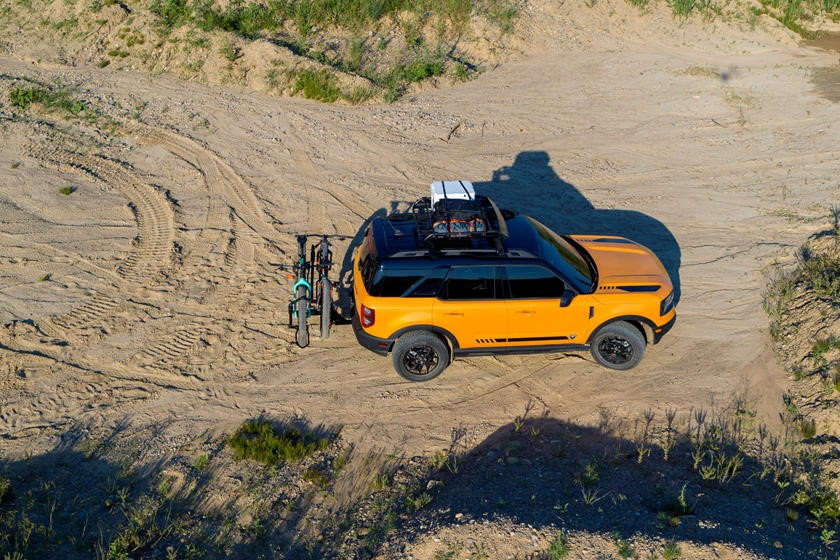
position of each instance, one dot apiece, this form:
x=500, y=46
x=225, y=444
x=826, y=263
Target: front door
x=535, y=316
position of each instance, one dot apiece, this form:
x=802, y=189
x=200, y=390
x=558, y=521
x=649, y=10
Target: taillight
x=368, y=316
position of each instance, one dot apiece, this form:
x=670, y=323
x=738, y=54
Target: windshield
x=571, y=260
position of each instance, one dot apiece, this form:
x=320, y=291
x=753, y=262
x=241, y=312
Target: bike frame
x=303, y=271
x=321, y=257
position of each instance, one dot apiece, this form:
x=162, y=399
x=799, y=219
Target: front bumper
x=659, y=332
x=375, y=344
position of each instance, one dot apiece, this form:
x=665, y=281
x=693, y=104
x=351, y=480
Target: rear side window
x=533, y=282
x=368, y=261
x=393, y=283
x=473, y=282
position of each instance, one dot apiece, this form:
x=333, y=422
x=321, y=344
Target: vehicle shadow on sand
x=531, y=186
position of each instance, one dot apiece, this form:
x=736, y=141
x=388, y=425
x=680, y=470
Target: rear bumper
x=375, y=344
x=659, y=332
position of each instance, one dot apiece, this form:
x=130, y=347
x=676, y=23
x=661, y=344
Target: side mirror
x=566, y=298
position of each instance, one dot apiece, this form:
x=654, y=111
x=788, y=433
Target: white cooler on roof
x=462, y=190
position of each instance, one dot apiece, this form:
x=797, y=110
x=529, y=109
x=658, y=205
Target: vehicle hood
x=624, y=265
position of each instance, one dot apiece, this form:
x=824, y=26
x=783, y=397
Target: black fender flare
x=645, y=326
x=443, y=333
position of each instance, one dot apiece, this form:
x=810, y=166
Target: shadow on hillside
x=93, y=497
x=96, y=498
x=545, y=472
x=531, y=186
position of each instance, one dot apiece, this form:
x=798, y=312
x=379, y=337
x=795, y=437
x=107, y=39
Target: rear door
x=535, y=317
x=470, y=306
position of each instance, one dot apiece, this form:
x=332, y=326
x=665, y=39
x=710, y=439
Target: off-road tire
x=302, y=309
x=618, y=345
x=420, y=356
x=326, y=307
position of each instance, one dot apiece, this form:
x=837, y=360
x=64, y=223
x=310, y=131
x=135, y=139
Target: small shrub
x=22, y=98
x=423, y=68
x=230, y=52
x=835, y=210
x=461, y=72
x=671, y=551
x=260, y=441
x=316, y=477
x=360, y=95
x=824, y=506
x=822, y=347
x=52, y=99
x=682, y=8
x=559, y=547
x=625, y=550
x=45, y=277
x=419, y=502
x=503, y=13
x=172, y=13
x=67, y=191
x=103, y=63
x=5, y=488
x=318, y=84
x=381, y=482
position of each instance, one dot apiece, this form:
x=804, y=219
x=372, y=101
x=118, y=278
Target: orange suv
x=456, y=276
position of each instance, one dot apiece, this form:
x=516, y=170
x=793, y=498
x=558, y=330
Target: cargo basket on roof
x=455, y=215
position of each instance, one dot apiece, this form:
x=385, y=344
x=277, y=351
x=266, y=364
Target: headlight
x=667, y=304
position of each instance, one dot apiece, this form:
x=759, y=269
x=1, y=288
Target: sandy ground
x=149, y=300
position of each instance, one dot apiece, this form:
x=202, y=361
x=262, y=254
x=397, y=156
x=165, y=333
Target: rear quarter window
x=393, y=283
x=367, y=260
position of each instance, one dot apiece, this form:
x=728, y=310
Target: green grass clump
x=683, y=8
x=22, y=98
x=244, y=19
x=794, y=14
x=67, y=191
x=319, y=84
x=5, y=488
x=559, y=547
x=822, y=275
x=172, y=13
x=57, y=99
x=261, y=441
x=423, y=67
x=672, y=551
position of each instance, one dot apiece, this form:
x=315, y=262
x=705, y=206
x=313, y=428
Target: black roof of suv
x=409, y=241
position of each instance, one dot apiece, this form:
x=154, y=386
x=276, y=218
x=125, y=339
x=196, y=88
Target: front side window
x=533, y=282
x=470, y=282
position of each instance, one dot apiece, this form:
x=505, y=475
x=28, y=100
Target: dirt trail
x=723, y=163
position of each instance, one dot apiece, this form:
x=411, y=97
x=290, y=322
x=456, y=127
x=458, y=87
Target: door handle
x=526, y=312
x=453, y=314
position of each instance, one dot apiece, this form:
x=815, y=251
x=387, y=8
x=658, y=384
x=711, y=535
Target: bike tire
x=326, y=307
x=302, y=308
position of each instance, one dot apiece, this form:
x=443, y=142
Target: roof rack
x=454, y=217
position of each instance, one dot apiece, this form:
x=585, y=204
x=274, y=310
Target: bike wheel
x=302, y=310
x=326, y=306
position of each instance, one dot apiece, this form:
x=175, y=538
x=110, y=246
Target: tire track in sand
x=152, y=248
x=232, y=208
